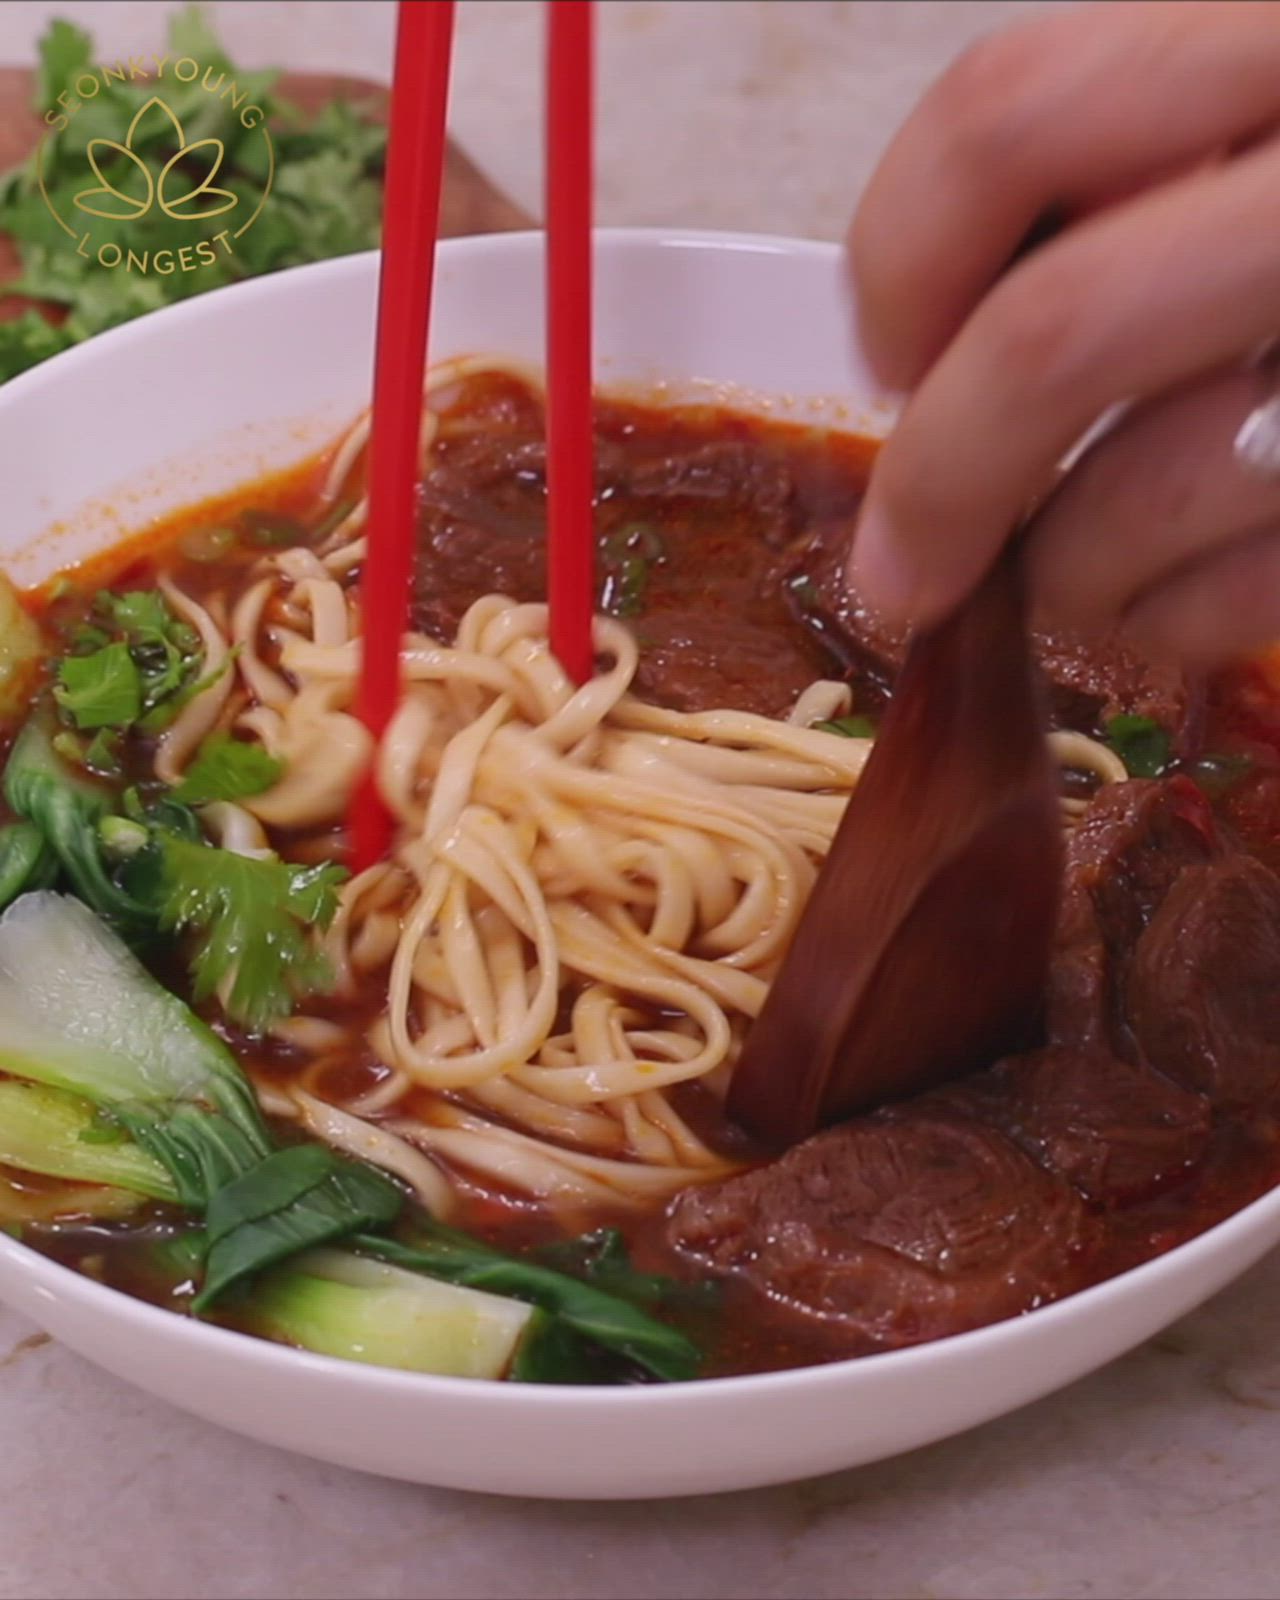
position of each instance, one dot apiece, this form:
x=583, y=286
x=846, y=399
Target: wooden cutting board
x=470, y=203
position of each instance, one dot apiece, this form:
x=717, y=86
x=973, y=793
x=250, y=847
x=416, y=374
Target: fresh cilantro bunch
x=325, y=198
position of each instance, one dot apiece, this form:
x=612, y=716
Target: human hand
x=1152, y=128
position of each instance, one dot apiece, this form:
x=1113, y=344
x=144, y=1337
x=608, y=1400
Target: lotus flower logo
x=135, y=190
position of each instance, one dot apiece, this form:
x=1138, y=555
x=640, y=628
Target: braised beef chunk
x=732, y=472
x=697, y=660
x=895, y=1229
x=1204, y=988
x=1088, y=681
x=1116, y=1130
x=1093, y=681
x=694, y=541
x=747, y=601
x=1123, y=856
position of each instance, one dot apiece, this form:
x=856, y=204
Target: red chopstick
x=570, y=464
x=411, y=219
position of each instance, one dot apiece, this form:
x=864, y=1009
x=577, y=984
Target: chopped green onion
x=849, y=727
x=207, y=544
x=270, y=530
x=1141, y=743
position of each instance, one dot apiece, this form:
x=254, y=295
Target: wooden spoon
x=924, y=949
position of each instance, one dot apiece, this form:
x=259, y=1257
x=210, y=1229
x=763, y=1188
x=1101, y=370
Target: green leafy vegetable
x=849, y=727
x=602, y=1258
x=551, y=1352
x=84, y=1026
x=295, y=1199
x=165, y=649
x=344, y=1305
x=160, y=716
x=134, y=663
x=102, y=1128
x=26, y=861
x=250, y=919
x=62, y=52
x=79, y=1013
x=50, y=1132
x=225, y=768
x=28, y=340
x=586, y=1311
x=102, y=690
x=67, y=809
x=1141, y=743
x=102, y=755
x=325, y=198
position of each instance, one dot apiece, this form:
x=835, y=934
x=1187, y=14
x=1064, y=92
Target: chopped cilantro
x=133, y=664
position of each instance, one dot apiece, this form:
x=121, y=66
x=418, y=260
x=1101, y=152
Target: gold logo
x=153, y=170
x=160, y=190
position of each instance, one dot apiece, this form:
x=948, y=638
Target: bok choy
x=78, y=1012
x=112, y=1080
x=339, y=1304
x=59, y=1135
x=326, y=1301
x=247, y=920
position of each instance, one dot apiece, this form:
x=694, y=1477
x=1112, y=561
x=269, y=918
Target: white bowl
x=198, y=398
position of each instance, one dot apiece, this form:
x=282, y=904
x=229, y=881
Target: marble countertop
x=1155, y=1477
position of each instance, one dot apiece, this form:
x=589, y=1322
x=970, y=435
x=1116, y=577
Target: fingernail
x=877, y=569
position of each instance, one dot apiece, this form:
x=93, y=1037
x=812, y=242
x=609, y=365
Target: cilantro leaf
x=1141, y=743
x=102, y=690
x=163, y=646
x=64, y=51
x=250, y=919
x=226, y=768
x=191, y=35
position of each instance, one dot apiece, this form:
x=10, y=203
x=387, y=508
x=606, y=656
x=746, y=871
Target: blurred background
x=756, y=114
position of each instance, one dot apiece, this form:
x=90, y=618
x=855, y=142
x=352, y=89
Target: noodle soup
x=527, y=1017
